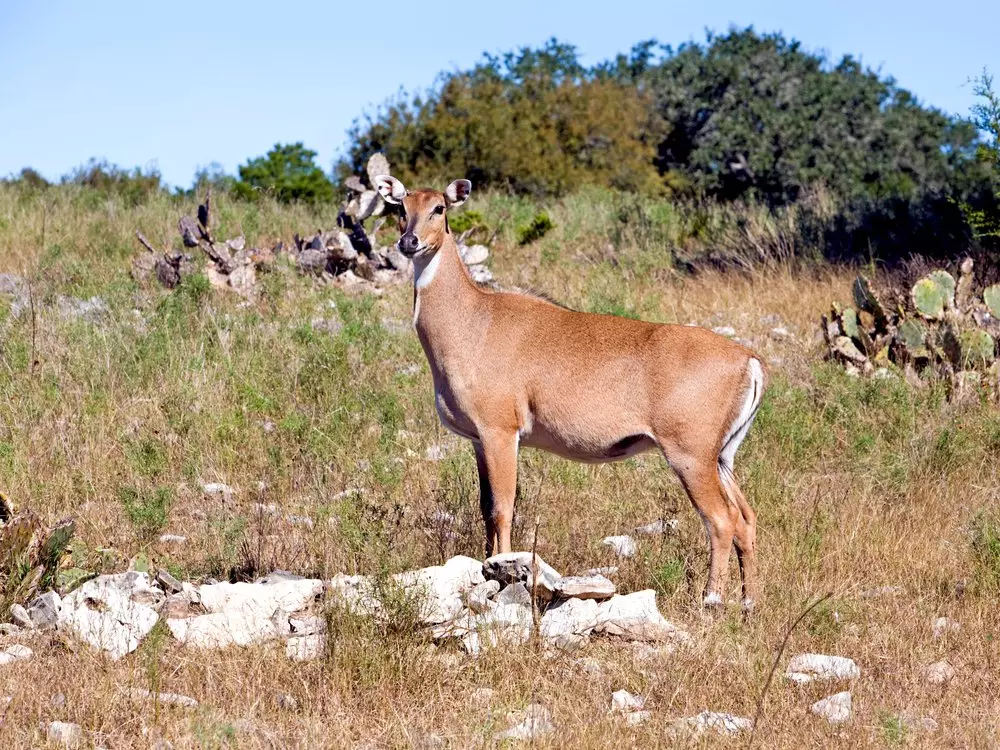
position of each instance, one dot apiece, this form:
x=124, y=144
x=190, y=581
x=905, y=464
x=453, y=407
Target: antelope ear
x=458, y=192
x=391, y=189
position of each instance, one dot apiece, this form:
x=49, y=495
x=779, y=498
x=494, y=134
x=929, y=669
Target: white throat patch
x=423, y=275
x=423, y=272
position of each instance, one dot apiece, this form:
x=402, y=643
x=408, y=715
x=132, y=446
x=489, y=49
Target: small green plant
x=538, y=227
x=466, y=220
x=147, y=510
x=375, y=644
x=668, y=576
x=986, y=548
x=893, y=730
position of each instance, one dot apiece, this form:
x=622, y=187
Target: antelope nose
x=408, y=244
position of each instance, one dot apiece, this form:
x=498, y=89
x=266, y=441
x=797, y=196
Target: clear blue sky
x=181, y=84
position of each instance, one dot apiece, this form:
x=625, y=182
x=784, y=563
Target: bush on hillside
x=533, y=122
x=133, y=186
x=288, y=173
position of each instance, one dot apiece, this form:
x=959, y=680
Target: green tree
x=532, y=121
x=288, y=173
x=757, y=114
x=985, y=219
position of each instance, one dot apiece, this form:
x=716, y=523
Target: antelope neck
x=443, y=294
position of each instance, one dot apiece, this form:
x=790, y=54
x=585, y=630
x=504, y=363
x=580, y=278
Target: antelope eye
x=439, y=209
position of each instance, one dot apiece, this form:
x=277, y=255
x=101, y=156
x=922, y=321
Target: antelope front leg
x=496, y=457
x=486, y=501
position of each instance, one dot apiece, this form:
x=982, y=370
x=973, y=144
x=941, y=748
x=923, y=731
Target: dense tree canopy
x=287, y=173
x=744, y=114
x=534, y=121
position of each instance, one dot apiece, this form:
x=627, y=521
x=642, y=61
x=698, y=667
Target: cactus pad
x=933, y=294
x=991, y=296
x=866, y=299
x=913, y=336
x=849, y=322
x=976, y=347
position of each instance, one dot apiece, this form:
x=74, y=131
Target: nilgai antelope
x=511, y=369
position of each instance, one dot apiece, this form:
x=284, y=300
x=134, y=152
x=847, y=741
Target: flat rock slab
x=109, y=614
x=439, y=589
x=567, y=623
x=805, y=668
x=722, y=723
x=623, y=545
x=280, y=594
x=173, y=699
x=836, y=708
x=584, y=587
x=248, y=623
x=635, y=616
x=14, y=653
x=533, y=722
x=519, y=567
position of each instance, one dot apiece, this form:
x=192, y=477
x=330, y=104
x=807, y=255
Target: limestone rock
x=113, y=612
x=584, y=587
x=218, y=489
x=247, y=624
x=515, y=593
x=719, y=722
x=14, y=653
x=655, y=528
x=242, y=614
x=942, y=626
x=635, y=616
x=623, y=545
x=64, y=734
x=306, y=648
x=481, y=274
x=623, y=702
x=19, y=616
x=474, y=255
x=440, y=588
x=516, y=567
x=808, y=667
x=478, y=599
x=173, y=699
x=836, y=708
x=532, y=723
x=939, y=673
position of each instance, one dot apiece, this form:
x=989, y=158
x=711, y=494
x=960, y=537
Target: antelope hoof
x=712, y=601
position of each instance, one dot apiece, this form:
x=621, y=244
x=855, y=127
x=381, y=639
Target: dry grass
x=858, y=485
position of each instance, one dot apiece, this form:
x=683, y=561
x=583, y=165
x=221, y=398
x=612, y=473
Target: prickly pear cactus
x=963, y=290
x=849, y=322
x=912, y=335
x=991, y=296
x=866, y=298
x=976, y=347
x=933, y=294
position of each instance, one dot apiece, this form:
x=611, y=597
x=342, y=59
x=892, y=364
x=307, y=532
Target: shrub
x=146, y=509
x=288, y=173
x=986, y=548
x=134, y=187
x=538, y=227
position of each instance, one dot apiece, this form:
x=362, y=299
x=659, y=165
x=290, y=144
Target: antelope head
x=426, y=213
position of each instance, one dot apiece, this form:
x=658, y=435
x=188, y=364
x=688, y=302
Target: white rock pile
x=479, y=604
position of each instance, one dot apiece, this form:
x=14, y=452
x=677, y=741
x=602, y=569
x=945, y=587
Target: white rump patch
x=741, y=425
